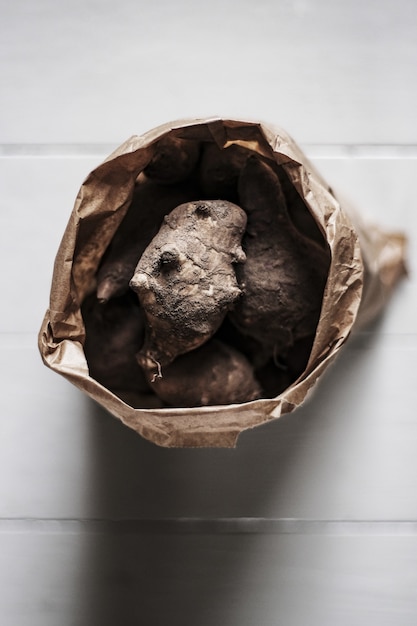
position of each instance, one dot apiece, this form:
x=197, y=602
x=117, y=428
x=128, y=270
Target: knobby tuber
x=114, y=334
x=150, y=203
x=285, y=273
x=215, y=373
x=219, y=170
x=186, y=279
x=173, y=161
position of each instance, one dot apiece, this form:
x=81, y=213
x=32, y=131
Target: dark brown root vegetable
x=300, y=215
x=186, y=279
x=173, y=161
x=114, y=334
x=273, y=379
x=275, y=376
x=213, y=374
x=285, y=273
x=219, y=170
x=150, y=203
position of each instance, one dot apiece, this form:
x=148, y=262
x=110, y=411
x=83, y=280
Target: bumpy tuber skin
x=150, y=203
x=173, y=161
x=114, y=334
x=186, y=279
x=219, y=170
x=285, y=273
x=213, y=374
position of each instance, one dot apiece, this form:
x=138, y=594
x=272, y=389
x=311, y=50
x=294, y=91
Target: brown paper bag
x=365, y=264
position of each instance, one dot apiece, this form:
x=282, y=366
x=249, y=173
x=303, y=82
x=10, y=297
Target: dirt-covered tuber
x=285, y=273
x=186, y=279
x=213, y=374
x=173, y=161
x=219, y=170
x=114, y=334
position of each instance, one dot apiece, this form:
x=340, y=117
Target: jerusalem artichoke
x=285, y=273
x=114, y=334
x=186, y=279
x=219, y=170
x=173, y=161
x=215, y=373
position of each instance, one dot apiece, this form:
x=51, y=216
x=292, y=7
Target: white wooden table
x=312, y=519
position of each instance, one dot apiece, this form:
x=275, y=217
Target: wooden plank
x=326, y=73
x=37, y=198
x=240, y=579
x=349, y=453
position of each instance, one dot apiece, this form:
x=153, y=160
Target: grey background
x=312, y=519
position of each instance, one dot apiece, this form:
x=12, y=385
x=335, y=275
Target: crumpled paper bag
x=365, y=264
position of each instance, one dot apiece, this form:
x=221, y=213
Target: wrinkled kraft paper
x=366, y=262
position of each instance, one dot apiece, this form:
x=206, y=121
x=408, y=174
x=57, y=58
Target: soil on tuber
x=213, y=374
x=186, y=278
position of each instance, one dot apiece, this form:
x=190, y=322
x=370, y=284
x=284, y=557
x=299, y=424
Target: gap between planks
x=325, y=150
x=184, y=525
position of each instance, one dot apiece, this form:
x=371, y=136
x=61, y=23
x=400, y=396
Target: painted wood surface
x=312, y=519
